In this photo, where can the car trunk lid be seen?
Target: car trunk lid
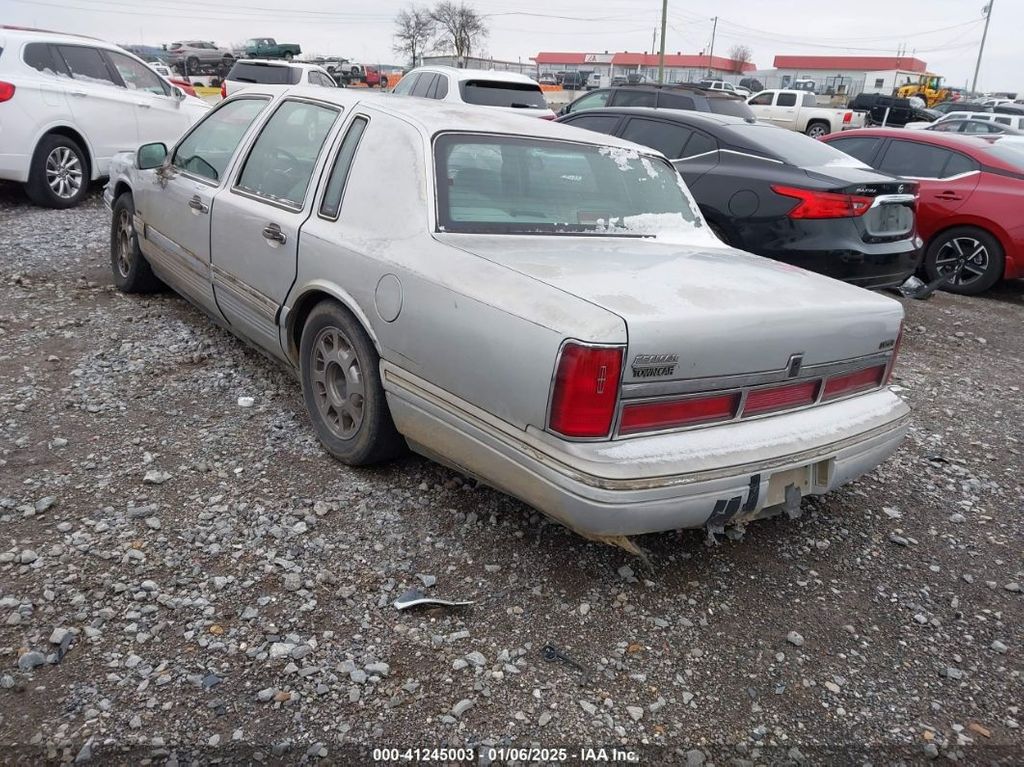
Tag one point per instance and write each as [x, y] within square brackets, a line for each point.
[892, 202]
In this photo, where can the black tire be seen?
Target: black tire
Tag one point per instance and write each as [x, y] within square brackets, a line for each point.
[976, 253]
[383, 81]
[191, 65]
[131, 270]
[340, 372]
[58, 164]
[818, 129]
[288, 55]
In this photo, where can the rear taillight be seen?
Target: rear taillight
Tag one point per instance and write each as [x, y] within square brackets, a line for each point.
[6, 91]
[586, 390]
[853, 383]
[847, 118]
[815, 204]
[223, 89]
[780, 398]
[651, 416]
[895, 351]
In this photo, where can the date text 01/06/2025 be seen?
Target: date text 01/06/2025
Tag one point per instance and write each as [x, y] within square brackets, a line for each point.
[506, 754]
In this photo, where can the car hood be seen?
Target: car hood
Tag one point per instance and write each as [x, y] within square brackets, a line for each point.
[723, 311]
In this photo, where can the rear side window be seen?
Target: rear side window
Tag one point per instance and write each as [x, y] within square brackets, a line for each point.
[280, 163]
[629, 98]
[264, 74]
[959, 164]
[86, 64]
[440, 89]
[667, 138]
[675, 101]
[596, 123]
[786, 100]
[423, 85]
[41, 56]
[330, 207]
[699, 143]
[909, 158]
[861, 148]
[207, 150]
[809, 100]
[494, 93]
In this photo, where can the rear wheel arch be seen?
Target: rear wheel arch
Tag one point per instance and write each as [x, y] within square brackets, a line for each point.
[70, 133]
[814, 125]
[306, 301]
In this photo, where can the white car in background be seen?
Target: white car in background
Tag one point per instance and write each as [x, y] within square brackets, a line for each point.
[507, 91]
[248, 72]
[70, 103]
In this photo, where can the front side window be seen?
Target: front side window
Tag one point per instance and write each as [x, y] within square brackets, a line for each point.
[330, 207]
[406, 84]
[512, 185]
[862, 148]
[761, 100]
[137, 76]
[280, 164]
[207, 150]
[597, 122]
[664, 137]
[86, 64]
[594, 100]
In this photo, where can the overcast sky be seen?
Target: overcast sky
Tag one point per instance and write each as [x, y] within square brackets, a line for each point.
[945, 33]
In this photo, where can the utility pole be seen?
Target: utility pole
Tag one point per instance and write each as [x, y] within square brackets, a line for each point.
[654, 40]
[711, 55]
[661, 53]
[988, 16]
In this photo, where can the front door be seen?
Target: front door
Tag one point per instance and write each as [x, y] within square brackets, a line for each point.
[157, 112]
[256, 222]
[177, 204]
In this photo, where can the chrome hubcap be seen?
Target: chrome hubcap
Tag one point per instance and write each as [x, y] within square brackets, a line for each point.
[965, 259]
[64, 172]
[125, 243]
[338, 383]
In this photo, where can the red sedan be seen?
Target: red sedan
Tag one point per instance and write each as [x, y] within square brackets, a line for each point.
[970, 201]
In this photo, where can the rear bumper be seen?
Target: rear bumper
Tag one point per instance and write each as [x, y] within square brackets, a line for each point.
[719, 475]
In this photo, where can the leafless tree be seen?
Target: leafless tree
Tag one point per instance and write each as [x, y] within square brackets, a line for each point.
[460, 28]
[414, 30]
[741, 54]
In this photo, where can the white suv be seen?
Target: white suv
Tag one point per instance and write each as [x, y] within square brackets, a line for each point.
[508, 91]
[68, 104]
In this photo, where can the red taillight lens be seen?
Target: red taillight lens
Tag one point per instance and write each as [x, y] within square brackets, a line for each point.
[688, 412]
[815, 204]
[847, 118]
[780, 398]
[223, 90]
[586, 390]
[852, 383]
[6, 91]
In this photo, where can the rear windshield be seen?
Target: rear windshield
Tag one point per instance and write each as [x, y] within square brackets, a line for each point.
[493, 93]
[791, 147]
[731, 107]
[512, 185]
[265, 74]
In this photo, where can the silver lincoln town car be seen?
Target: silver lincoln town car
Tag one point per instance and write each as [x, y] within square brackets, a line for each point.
[539, 306]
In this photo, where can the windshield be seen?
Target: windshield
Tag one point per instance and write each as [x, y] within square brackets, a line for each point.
[730, 106]
[793, 148]
[494, 93]
[510, 185]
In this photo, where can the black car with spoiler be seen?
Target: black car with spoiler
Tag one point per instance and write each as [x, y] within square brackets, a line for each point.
[780, 194]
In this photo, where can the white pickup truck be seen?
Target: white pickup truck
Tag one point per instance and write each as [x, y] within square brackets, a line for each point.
[799, 111]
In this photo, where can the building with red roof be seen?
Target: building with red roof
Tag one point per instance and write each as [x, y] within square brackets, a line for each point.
[679, 67]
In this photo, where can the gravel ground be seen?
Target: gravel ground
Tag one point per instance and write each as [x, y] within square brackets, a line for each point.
[183, 577]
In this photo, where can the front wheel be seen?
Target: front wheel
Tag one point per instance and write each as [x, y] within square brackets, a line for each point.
[132, 273]
[191, 65]
[288, 55]
[341, 386]
[817, 130]
[971, 259]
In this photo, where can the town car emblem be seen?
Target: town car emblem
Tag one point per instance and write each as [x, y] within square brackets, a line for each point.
[654, 365]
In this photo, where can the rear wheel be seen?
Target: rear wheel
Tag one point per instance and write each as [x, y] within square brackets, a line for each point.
[59, 176]
[191, 65]
[818, 129]
[342, 389]
[971, 258]
[288, 55]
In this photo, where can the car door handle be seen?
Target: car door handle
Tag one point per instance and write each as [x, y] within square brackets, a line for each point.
[948, 196]
[144, 104]
[198, 205]
[273, 233]
[80, 94]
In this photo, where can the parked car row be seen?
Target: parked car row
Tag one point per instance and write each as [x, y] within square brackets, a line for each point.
[499, 91]
[580, 340]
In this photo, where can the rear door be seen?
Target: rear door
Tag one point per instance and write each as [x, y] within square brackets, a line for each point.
[102, 107]
[176, 207]
[784, 110]
[255, 223]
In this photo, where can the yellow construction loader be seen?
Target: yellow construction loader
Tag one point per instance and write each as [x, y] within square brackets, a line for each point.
[928, 87]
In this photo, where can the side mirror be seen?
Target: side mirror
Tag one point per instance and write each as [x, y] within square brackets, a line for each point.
[563, 111]
[179, 94]
[151, 156]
